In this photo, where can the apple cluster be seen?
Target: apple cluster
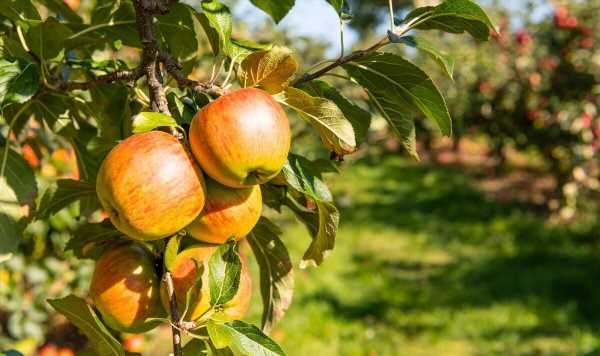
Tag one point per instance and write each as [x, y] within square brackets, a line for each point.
[152, 187]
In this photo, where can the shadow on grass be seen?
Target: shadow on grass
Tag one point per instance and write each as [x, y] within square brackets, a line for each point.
[551, 271]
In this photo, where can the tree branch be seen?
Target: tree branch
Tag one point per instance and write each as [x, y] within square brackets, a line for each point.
[174, 69]
[307, 77]
[126, 75]
[177, 350]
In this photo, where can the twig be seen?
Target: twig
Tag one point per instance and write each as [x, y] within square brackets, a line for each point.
[343, 60]
[174, 69]
[175, 330]
[126, 75]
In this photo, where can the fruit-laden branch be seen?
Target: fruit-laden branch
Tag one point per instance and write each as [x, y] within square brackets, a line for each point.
[177, 350]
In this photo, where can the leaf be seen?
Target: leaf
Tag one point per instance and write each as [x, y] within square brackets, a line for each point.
[10, 235]
[335, 130]
[171, 251]
[241, 48]
[224, 270]
[63, 193]
[20, 177]
[148, 121]
[216, 20]
[276, 273]
[19, 11]
[454, 16]
[304, 177]
[242, 338]
[194, 347]
[177, 32]
[11, 353]
[359, 118]
[269, 69]
[19, 81]
[401, 87]
[277, 9]
[47, 39]
[342, 8]
[445, 61]
[89, 237]
[85, 319]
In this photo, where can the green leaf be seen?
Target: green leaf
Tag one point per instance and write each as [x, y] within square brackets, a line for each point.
[454, 16]
[11, 353]
[445, 61]
[47, 39]
[335, 130]
[20, 12]
[401, 87]
[241, 48]
[148, 121]
[216, 20]
[63, 193]
[21, 180]
[110, 107]
[242, 338]
[224, 270]
[342, 8]
[89, 157]
[358, 117]
[177, 32]
[171, 251]
[85, 319]
[304, 176]
[194, 347]
[269, 69]
[10, 234]
[90, 238]
[277, 9]
[19, 81]
[276, 273]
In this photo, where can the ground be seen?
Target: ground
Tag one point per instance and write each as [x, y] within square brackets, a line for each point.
[426, 264]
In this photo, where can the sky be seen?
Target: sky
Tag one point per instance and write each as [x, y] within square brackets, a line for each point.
[317, 19]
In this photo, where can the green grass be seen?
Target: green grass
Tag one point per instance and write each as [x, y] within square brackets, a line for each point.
[425, 265]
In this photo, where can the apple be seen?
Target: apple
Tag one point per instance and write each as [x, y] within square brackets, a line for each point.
[65, 351]
[134, 343]
[242, 138]
[227, 213]
[184, 275]
[125, 288]
[72, 4]
[150, 186]
[48, 350]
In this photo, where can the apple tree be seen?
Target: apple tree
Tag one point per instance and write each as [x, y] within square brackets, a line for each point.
[181, 135]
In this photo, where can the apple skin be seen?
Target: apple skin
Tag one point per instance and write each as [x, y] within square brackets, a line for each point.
[184, 274]
[150, 186]
[242, 138]
[125, 289]
[227, 213]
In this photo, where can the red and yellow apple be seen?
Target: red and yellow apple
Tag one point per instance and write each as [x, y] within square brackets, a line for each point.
[242, 138]
[184, 275]
[125, 288]
[150, 186]
[228, 213]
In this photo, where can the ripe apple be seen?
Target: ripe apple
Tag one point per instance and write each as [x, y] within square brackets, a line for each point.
[227, 213]
[150, 186]
[72, 4]
[48, 350]
[242, 138]
[125, 288]
[65, 351]
[184, 275]
[134, 343]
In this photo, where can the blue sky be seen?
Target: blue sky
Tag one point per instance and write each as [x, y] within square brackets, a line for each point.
[316, 19]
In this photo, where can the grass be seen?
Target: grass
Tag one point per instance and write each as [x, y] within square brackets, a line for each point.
[425, 265]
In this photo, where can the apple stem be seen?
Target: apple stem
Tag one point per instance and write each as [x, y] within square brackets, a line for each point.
[175, 321]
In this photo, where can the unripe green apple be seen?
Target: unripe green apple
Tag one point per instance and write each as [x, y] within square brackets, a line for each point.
[227, 213]
[242, 138]
[125, 288]
[184, 275]
[150, 186]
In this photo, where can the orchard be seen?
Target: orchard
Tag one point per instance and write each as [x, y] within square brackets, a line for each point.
[183, 137]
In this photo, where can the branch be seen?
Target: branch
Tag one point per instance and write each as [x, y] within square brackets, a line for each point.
[145, 10]
[307, 77]
[177, 350]
[174, 69]
[125, 75]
